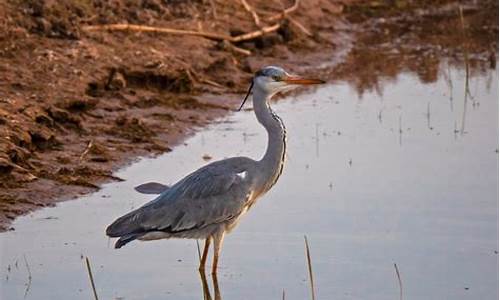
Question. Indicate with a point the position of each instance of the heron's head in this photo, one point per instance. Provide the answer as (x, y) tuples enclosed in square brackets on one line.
[(272, 80)]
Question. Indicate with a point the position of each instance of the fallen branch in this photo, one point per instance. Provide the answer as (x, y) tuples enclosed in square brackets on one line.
[(255, 17), (207, 35), (144, 28)]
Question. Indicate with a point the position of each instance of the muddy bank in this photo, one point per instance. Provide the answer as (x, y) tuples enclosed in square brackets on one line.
[(75, 105)]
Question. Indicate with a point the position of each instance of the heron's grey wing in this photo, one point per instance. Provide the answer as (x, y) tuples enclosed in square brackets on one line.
[(211, 195), (151, 188)]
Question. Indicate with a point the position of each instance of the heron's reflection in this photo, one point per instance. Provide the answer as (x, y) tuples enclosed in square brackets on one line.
[(206, 289)]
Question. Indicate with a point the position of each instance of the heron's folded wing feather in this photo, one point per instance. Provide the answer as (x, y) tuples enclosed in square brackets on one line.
[(151, 188), (208, 196)]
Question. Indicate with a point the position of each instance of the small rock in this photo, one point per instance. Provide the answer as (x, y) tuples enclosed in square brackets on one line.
[(116, 81), (5, 166), (80, 104)]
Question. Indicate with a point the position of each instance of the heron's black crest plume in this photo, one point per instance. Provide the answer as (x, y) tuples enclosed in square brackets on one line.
[(246, 97)]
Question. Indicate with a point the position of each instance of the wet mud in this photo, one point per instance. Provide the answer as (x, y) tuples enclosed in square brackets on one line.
[(76, 105)]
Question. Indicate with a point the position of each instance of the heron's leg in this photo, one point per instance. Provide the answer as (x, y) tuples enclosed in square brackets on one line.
[(217, 295), (203, 259), (218, 239), (206, 289)]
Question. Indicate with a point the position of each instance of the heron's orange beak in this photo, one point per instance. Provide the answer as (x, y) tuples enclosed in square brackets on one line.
[(300, 80)]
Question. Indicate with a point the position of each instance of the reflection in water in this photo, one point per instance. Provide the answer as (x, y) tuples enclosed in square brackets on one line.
[(316, 138), (206, 289), (384, 49), (400, 131), (464, 111), (428, 115), (449, 82), (430, 205), (388, 47)]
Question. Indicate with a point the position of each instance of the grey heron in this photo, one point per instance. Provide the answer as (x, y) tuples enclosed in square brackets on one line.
[(209, 202)]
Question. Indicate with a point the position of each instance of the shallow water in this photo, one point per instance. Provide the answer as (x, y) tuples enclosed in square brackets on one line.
[(372, 180)]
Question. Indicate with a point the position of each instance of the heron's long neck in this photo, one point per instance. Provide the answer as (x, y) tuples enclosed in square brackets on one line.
[(271, 164)]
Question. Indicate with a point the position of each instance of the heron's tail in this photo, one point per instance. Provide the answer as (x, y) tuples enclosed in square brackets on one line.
[(125, 225), (125, 229)]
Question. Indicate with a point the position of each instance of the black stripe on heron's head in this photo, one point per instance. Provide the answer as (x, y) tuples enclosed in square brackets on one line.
[(261, 72)]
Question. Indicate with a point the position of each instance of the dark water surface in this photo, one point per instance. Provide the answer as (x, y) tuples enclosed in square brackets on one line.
[(372, 180)]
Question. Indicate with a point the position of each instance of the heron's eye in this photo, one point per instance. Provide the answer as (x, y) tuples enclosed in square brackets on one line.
[(275, 78)]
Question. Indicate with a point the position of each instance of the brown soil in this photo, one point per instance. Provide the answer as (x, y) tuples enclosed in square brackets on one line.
[(75, 105)]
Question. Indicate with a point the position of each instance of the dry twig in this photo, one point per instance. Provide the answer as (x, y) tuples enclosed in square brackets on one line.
[(399, 281), (284, 13), (28, 284), (212, 83), (250, 9), (89, 270), (214, 11), (235, 49), (196, 77), (309, 266), (299, 26), (86, 151)]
